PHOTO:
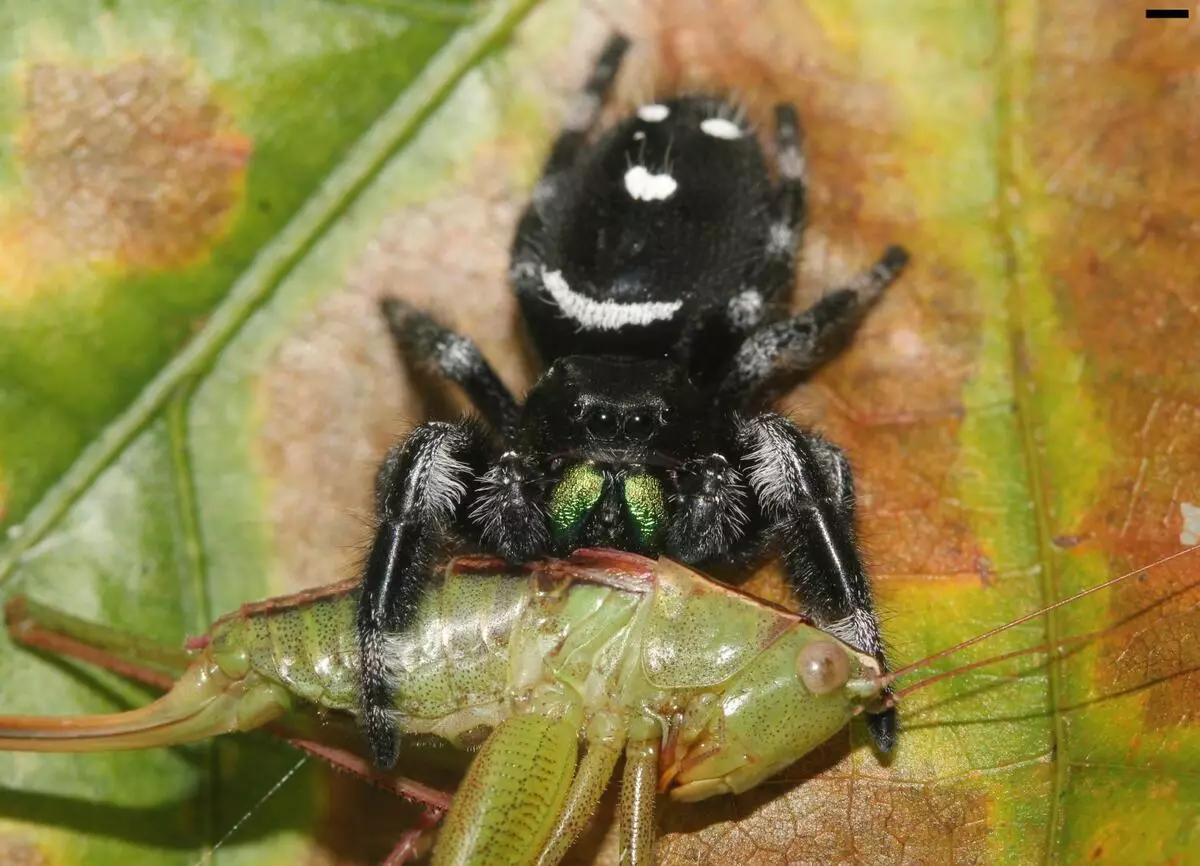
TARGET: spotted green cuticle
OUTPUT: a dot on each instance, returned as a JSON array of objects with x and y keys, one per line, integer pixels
[
  {"x": 577, "y": 493},
  {"x": 644, "y": 499}
]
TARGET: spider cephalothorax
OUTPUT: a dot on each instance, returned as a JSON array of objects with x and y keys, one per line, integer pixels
[{"x": 653, "y": 268}]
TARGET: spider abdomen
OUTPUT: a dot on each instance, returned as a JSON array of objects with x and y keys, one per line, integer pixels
[{"x": 665, "y": 219}]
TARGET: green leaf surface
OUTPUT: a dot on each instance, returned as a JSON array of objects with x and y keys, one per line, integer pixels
[{"x": 201, "y": 202}]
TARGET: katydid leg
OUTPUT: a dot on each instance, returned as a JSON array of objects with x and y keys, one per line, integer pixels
[
  {"x": 362, "y": 769},
  {"x": 605, "y": 738},
  {"x": 137, "y": 658},
  {"x": 416, "y": 841},
  {"x": 511, "y": 798},
  {"x": 639, "y": 790}
]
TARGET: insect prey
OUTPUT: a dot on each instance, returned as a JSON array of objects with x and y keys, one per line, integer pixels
[{"x": 702, "y": 689}]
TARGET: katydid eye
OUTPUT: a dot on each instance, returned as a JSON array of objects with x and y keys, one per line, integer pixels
[
  {"x": 823, "y": 667},
  {"x": 603, "y": 423},
  {"x": 640, "y": 426}
]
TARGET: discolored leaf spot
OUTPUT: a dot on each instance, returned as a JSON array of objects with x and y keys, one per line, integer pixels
[
  {"x": 1130, "y": 148},
  {"x": 16, "y": 851},
  {"x": 133, "y": 167}
]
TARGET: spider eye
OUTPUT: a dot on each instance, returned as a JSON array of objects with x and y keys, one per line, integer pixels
[
  {"x": 603, "y": 423},
  {"x": 823, "y": 667},
  {"x": 640, "y": 426}
]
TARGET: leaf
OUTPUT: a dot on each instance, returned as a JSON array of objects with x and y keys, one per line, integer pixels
[{"x": 191, "y": 406}]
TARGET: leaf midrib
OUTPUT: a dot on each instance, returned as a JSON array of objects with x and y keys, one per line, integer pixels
[
  {"x": 1006, "y": 220},
  {"x": 256, "y": 285}
]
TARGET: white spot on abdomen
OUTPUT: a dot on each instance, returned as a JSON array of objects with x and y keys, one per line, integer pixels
[
  {"x": 644, "y": 186},
  {"x": 1190, "y": 536},
  {"x": 604, "y": 315},
  {"x": 719, "y": 127},
  {"x": 653, "y": 113}
]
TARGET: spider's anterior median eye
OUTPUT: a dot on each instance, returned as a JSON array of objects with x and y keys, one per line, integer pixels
[
  {"x": 603, "y": 423},
  {"x": 640, "y": 426}
]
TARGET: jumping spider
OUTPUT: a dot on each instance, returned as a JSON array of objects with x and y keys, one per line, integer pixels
[{"x": 653, "y": 269}]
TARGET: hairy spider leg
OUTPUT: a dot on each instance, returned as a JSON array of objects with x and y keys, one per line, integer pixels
[
  {"x": 777, "y": 271},
  {"x": 805, "y": 490},
  {"x": 427, "y": 345},
  {"x": 782, "y": 352},
  {"x": 586, "y": 105},
  {"x": 420, "y": 493},
  {"x": 509, "y": 520},
  {"x": 415, "y": 842}
]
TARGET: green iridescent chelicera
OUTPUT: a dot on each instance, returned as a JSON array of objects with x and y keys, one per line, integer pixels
[
  {"x": 644, "y": 499},
  {"x": 576, "y": 494}
]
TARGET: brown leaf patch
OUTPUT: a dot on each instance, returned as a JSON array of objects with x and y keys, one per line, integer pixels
[
  {"x": 137, "y": 167},
  {"x": 1154, "y": 654},
  {"x": 15, "y": 851},
  {"x": 1113, "y": 103}
]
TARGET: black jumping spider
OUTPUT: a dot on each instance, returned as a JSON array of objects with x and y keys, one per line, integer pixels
[{"x": 653, "y": 269}]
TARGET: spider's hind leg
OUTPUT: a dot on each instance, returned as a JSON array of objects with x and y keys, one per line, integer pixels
[
  {"x": 787, "y": 350},
  {"x": 582, "y": 114},
  {"x": 789, "y": 206},
  {"x": 585, "y": 107}
]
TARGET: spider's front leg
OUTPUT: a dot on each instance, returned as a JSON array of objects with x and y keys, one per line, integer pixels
[
  {"x": 421, "y": 491},
  {"x": 804, "y": 487}
]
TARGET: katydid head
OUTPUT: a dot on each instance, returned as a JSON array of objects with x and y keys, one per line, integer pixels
[
  {"x": 800, "y": 691},
  {"x": 791, "y": 698}
]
